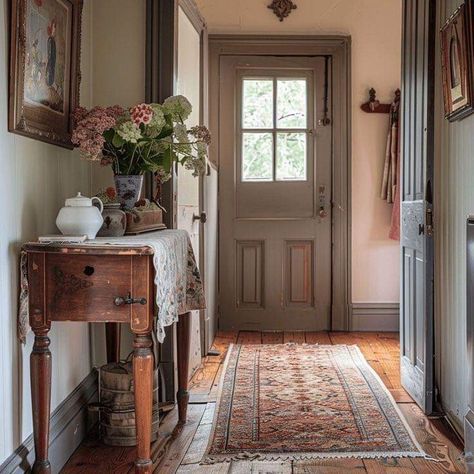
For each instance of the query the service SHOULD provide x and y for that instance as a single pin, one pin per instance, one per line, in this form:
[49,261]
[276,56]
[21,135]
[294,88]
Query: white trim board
[69,426]
[384,317]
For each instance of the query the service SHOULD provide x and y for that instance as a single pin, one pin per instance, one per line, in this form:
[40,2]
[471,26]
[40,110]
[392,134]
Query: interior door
[274,194]
[188,196]
[417,261]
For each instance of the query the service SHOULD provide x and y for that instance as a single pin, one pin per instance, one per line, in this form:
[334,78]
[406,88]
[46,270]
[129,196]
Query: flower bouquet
[145,138]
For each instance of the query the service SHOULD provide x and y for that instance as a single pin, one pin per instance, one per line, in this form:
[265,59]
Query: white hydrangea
[182,144]
[129,132]
[158,121]
[178,107]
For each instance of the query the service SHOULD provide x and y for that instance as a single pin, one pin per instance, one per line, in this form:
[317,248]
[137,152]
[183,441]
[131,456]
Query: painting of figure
[456,63]
[45,68]
[47,51]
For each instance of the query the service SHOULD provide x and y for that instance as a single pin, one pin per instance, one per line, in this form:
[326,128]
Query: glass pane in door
[257,104]
[291,157]
[257,157]
[291,103]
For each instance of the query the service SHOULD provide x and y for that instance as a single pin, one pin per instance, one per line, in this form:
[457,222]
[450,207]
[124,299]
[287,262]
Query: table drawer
[84,287]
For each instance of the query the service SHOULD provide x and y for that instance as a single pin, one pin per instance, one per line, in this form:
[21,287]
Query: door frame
[161,61]
[339,49]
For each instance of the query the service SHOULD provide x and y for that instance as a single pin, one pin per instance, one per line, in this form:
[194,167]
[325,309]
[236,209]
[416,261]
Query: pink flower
[115,111]
[141,114]
[90,126]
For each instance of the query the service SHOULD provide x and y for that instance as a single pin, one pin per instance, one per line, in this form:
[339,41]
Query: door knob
[200,217]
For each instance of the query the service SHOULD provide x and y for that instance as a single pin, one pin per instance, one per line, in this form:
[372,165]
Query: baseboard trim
[375,317]
[69,426]
[469,441]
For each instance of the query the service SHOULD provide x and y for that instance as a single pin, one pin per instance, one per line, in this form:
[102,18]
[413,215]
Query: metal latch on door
[427,228]
[322,202]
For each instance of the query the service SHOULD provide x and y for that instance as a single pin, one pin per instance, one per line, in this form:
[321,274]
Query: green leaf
[109,135]
[117,141]
[167,159]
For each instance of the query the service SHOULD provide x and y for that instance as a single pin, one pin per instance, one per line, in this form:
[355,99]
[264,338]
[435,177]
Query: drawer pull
[120,301]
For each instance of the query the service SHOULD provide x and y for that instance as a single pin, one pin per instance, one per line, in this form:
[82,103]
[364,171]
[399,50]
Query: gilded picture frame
[44,68]
[456,63]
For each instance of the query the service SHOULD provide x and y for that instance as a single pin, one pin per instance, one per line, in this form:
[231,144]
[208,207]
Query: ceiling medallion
[282,8]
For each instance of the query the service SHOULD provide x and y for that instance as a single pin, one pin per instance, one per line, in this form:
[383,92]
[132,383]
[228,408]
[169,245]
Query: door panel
[298,273]
[416,207]
[250,274]
[275,175]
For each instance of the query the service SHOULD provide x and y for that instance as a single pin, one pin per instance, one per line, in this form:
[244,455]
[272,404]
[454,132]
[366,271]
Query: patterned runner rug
[289,401]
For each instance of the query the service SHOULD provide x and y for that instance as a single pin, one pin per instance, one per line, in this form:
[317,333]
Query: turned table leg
[40,372]
[143,381]
[112,338]
[184,336]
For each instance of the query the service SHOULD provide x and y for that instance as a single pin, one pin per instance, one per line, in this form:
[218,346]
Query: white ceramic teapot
[80,216]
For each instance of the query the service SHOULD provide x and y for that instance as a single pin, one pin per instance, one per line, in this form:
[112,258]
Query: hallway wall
[118,77]
[375,29]
[36,179]
[454,201]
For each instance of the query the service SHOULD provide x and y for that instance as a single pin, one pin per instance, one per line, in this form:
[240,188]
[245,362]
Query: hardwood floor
[180,448]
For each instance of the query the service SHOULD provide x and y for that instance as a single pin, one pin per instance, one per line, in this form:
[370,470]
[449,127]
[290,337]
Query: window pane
[291,156]
[291,103]
[257,105]
[257,157]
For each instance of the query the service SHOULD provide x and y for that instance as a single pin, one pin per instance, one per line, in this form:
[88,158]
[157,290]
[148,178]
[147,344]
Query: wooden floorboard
[180,449]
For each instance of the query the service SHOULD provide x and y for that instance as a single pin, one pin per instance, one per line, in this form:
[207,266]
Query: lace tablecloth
[178,283]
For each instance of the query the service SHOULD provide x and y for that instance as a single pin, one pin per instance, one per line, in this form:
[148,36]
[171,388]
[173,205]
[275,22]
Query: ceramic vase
[129,188]
[115,221]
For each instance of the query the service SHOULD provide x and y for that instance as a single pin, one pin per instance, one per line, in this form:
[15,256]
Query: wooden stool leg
[112,341]
[40,372]
[184,337]
[143,381]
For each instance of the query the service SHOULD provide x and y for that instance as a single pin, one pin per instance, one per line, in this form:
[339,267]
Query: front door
[274,193]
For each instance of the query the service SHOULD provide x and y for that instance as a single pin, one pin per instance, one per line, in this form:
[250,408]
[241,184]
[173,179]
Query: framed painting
[44,68]
[456,64]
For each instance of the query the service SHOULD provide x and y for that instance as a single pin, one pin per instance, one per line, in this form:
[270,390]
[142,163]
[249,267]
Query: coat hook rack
[373,106]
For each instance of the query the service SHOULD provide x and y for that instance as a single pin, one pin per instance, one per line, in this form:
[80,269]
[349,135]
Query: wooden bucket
[117,405]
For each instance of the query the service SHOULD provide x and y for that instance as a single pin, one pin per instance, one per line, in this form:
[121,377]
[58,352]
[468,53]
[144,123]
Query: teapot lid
[79,201]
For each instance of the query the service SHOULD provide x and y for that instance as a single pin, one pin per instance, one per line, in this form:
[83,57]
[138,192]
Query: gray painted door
[417,263]
[274,194]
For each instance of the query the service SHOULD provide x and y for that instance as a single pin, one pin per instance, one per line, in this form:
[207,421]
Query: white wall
[35,180]
[118,71]
[454,201]
[118,77]
[375,29]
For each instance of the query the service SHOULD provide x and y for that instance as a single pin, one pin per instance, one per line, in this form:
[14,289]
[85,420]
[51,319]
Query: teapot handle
[101,204]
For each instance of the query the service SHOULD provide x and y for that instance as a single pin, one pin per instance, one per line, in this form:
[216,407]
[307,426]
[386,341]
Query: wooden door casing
[417,154]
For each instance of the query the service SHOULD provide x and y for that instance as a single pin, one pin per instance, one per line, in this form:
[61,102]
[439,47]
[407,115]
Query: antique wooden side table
[109,284]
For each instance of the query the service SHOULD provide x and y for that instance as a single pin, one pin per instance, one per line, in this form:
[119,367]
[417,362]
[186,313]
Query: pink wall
[375,29]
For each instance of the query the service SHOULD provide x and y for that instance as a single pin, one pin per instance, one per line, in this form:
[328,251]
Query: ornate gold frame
[35,121]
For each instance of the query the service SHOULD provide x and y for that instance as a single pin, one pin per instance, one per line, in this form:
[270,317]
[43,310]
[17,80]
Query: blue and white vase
[129,189]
